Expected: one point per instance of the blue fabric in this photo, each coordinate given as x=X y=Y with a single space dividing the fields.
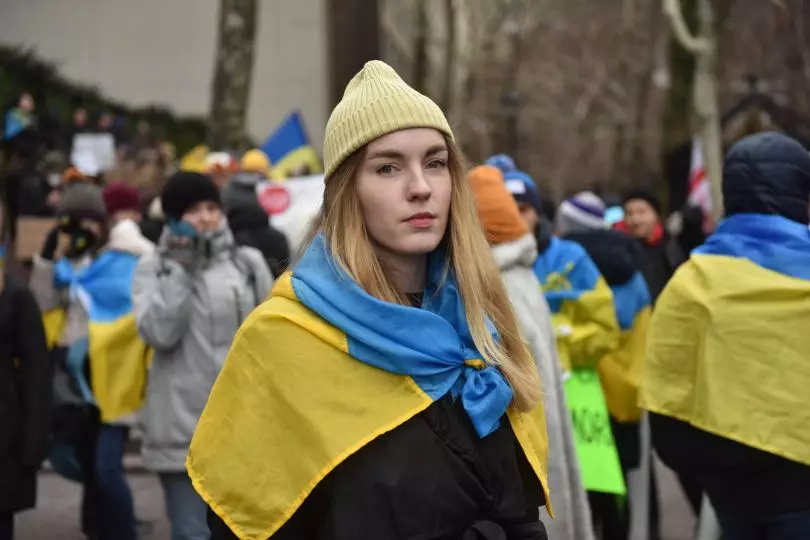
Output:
x=772 y=242
x=16 y=122
x=630 y=298
x=76 y=360
x=430 y=344
x=565 y=271
x=2 y=256
x=106 y=283
x=289 y=136
x=502 y=162
x=117 y=514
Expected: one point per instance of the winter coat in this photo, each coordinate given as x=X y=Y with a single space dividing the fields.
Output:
x=572 y=513
x=240 y=191
x=251 y=227
x=67 y=318
x=25 y=395
x=189 y=320
x=580 y=301
x=617 y=256
x=727 y=367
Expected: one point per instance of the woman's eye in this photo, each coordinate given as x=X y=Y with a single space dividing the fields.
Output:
x=385 y=169
x=437 y=164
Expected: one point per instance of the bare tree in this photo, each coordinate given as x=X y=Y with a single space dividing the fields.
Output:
x=233 y=72
x=705 y=101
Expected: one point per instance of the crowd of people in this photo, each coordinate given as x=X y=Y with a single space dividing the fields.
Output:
x=413 y=374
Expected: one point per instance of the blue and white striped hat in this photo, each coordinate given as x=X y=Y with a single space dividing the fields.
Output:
x=583 y=212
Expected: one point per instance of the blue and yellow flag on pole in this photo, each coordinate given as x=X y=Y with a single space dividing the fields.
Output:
x=290 y=151
x=728 y=346
x=118 y=357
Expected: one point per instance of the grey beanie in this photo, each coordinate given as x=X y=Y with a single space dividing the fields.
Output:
x=81 y=200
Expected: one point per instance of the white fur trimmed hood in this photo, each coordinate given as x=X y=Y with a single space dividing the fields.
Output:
x=521 y=252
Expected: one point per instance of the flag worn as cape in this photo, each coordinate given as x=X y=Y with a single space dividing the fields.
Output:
x=580 y=301
x=729 y=343
x=118 y=357
x=620 y=370
x=309 y=381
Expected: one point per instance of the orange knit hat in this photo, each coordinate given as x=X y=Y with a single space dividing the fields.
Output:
x=497 y=209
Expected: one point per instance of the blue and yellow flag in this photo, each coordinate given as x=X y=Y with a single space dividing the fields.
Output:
x=620 y=370
x=316 y=373
x=580 y=301
x=728 y=346
x=118 y=357
x=290 y=150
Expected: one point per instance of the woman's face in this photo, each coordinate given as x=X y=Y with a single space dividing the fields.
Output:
x=204 y=216
x=404 y=187
x=27 y=103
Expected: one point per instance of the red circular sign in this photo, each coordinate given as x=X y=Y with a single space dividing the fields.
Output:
x=275 y=199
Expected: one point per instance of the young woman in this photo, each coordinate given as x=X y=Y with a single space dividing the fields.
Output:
x=25 y=392
x=190 y=298
x=83 y=280
x=384 y=391
x=515 y=251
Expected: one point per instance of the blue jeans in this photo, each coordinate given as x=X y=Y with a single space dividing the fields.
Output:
x=117 y=513
x=187 y=511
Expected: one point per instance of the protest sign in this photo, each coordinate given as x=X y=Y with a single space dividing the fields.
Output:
x=596 y=449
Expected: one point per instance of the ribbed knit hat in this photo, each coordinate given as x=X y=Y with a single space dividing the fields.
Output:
x=522 y=188
x=82 y=201
x=185 y=189
x=583 y=212
x=376 y=102
x=497 y=209
x=119 y=197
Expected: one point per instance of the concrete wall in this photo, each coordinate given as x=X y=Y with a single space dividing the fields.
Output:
x=162 y=52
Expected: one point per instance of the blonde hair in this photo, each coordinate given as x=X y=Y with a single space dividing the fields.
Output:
x=468 y=254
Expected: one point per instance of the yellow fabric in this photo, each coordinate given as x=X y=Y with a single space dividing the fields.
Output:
x=292 y=163
x=728 y=352
x=54 y=322
x=376 y=102
x=118 y=363
x=586 y=327
x=195 y=159
x=255 y=161
x=620 y=371
x=299 y=405
x=497 y=208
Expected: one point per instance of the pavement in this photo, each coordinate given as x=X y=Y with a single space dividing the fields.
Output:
x=57 y=514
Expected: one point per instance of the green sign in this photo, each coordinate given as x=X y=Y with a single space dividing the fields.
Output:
x=596 y=449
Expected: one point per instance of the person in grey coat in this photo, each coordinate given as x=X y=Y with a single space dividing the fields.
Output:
x=514 y=249
x=190 y=297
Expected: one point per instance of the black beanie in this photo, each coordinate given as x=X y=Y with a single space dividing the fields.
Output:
x=643 y=195
x=185 y=189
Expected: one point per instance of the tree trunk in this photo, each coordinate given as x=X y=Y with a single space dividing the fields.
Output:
x=233 y=72
x=678 y=108
x=448 y=89
x=420 y=46
x=354 y=39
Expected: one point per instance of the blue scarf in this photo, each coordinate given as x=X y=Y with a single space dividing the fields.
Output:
x=772 y=242
x=432 y=345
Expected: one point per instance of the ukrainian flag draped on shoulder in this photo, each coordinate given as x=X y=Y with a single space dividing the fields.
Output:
x=620 y=370
x=729 y=343
x=320 y=370
x=580 y=301
x=118 y=357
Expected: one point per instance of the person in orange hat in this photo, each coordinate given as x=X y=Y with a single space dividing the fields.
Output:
x=515 y=250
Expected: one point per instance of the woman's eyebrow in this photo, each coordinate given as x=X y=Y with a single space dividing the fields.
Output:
x=389 y=154
x=433 y=150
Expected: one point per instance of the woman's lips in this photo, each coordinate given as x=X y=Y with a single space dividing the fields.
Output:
x=421 y=220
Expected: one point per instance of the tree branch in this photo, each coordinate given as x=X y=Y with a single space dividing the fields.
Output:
x=694 y=45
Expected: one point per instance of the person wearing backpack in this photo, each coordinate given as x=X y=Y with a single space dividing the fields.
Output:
x=190 y=297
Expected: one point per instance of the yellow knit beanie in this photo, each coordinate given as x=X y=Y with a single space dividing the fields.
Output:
x=376 y=102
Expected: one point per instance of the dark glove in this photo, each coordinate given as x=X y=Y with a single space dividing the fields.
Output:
x=50 y=244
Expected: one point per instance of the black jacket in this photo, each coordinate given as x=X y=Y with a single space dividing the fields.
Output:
x=616 y=255
x=251 y=227
x=432 y=478
x=25 y=396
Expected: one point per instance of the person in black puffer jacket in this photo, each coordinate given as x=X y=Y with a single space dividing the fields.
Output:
x=251 y=227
